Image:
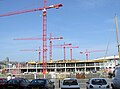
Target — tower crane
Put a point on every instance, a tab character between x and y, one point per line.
87	52
71	47
50	39
50	42
38	50
64	48
44	29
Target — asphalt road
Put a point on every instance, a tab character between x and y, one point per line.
81	81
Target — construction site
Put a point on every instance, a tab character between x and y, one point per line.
49	68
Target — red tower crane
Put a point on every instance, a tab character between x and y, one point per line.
64	48
53	38
87	52
38	50
71	47
44	30
50	44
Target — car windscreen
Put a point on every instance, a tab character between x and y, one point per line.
13	81
1	81
70	82
99	82
38	81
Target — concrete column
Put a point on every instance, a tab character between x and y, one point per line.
36	67
95	66
65	67
19	69
85	67
55	68
27	67
75	68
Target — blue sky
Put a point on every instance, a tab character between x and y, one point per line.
88	24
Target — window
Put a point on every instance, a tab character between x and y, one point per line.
38	81
27	81
23	82
1	81
5	80
70	82
13	81
99	82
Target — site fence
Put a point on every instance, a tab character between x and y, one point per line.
61	75
31	76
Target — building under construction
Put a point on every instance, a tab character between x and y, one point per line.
60	66
74	66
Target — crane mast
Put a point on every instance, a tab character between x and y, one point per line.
50	47
71	47
50	39
64	48
44	39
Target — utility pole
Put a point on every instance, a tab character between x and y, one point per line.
117	36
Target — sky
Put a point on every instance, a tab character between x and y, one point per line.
88	24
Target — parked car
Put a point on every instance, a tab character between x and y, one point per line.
41	84
70	83
2	82
97	83
17	83
116	78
